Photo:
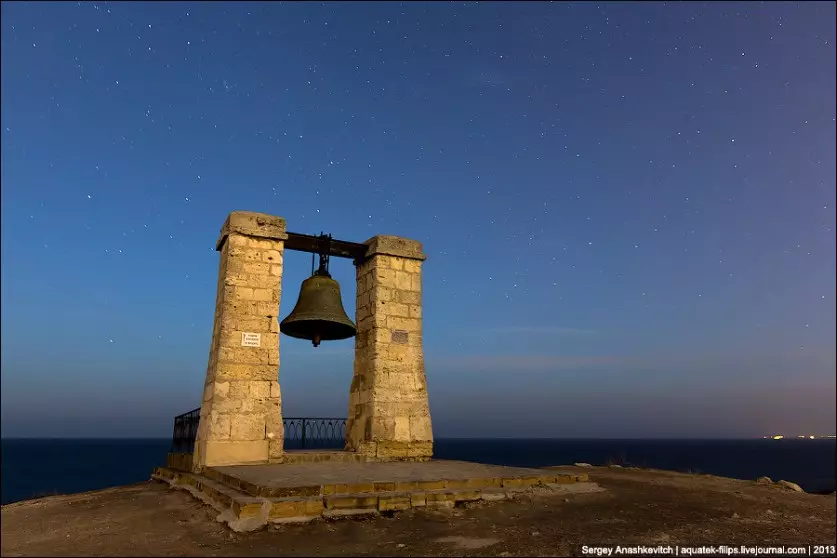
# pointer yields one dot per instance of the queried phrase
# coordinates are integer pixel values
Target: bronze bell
(319, 314)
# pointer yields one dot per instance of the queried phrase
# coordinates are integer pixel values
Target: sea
(33, 468)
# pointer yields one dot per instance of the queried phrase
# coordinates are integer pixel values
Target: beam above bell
(314, 245)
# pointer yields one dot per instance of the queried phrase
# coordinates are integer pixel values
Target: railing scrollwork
(300, 433)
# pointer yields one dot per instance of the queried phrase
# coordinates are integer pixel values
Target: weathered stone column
(389, 414)
(241, 412)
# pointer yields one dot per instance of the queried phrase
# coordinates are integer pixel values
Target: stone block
(245, 254)
(256, 324)
(406, 486)
(247, 427)
(412, 266)
(384, 486)
(397, 309)
(520, 482)
(380, 262)
(260, 389)
(420, 449)
(274, 427)
(217, 453)
(401, 431)
(408, 297)
(243, 355)
(467, 495)
(389, 450)
(235, 280)
(416, 282)
(353, 488)
(403, 281)
(275, 448)
(421, 428)
(246, 510)
(418, 499)
(405, 324)
(247, 267)
(271, 256)
(265, 244)
(264, 295)
(252, 224)
(474, 483)
(208, 391)
(222, 406)
(376, 319)
(512, 483)
(435, 498)
(242, 293)
(229, 371)
(394, 246)
(221, 389)
(346, 502)
(396, 353)
(361, 312)
(219, 426)
(262, 406)
(383, 428)
(239, 389)
(270, 309)
(301, 507)
(493, 495)
(561, 479)
(384, 277)
(394, 502)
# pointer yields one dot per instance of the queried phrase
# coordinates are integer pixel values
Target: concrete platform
(251, 496)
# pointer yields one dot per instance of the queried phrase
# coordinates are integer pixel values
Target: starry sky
(628, 208)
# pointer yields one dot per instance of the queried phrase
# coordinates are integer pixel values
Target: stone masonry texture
(241, 411)
(389, 414)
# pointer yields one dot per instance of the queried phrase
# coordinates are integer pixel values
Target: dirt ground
(637, 507)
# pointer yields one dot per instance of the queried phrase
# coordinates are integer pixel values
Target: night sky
(628, 209)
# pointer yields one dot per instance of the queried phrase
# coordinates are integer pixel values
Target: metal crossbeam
(315, 245)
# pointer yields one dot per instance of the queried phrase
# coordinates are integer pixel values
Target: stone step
(392, 486)
(321, 456)
(245, 512)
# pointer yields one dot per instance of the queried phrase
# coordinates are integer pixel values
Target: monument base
(251, 496)
(183, 461)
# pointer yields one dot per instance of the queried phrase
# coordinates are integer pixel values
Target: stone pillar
(241, 412)
(389, 414)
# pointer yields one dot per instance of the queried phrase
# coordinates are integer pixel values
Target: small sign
(251, 339)
(399, 336)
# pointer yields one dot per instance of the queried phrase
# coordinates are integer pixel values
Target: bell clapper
(316, 340)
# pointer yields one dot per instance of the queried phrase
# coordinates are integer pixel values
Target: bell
(319, 314)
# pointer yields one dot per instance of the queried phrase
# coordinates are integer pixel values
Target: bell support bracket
(315, 245)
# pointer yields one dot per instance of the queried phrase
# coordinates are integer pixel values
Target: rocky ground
(636, 507)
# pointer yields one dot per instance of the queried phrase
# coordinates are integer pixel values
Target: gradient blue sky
(628, 208)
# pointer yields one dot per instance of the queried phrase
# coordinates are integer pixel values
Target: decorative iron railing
(315, 433)
(300, 433)
(185, 430)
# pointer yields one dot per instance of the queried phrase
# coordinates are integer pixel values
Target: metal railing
(300, 433)
(314, 433)
(185, 430)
